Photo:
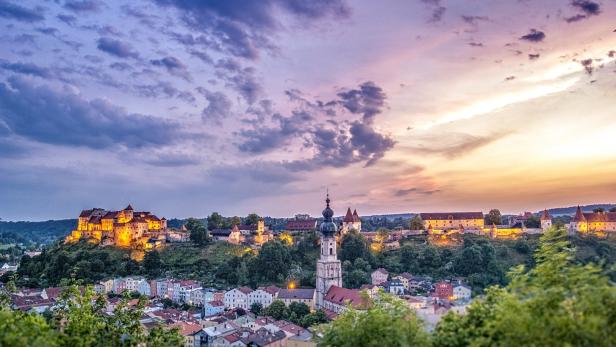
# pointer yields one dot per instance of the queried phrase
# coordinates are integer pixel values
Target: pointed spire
(579, 216)
(356, 216)
(129, 208)
(348, 218)
(546, 215)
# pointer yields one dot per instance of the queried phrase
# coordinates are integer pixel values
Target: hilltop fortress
(125, 228)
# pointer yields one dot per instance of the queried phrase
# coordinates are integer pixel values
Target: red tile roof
(348, 218)
(301, 225)
(344, 296)
(601, 217)
(579, 216)
(245, 290)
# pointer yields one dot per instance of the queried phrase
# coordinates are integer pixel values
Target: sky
(185, 107)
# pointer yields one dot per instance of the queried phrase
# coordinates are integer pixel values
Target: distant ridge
(560, 211)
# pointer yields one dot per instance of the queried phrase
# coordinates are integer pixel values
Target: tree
(252, 219)
(416, 223)
(598, 210)
(198, 232)
(299, 308)
(353, 246)
(235, 220)
(533, 222)
(24, 329)
(494, 217)
(256, 308)
(277, 310)
(314, 318)
(152, 263)
(214, 221)
(612, 209)
(559, 302)
(273, 262)
(161, 337)
(388, 322)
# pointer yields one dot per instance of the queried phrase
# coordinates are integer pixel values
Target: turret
(546, 220)
(578, 223)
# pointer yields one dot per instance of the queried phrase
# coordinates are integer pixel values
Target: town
(283, 316)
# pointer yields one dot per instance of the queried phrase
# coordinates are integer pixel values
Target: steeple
(328, 227)
(129, 208)
(579, 216)
(348, 218)
(545, 215)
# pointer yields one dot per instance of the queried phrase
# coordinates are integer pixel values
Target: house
(379, 276)
(220, 234)
(191, 331)
(420, 283)
(416, 302)
(213, 332)
(237, 297)
(443, 290)
(212, 308)
(452, 220)
(264, 338)
(305, 295)
(263, 296)
(301, 225)
(404, 278)
(337, 299)
(462, 292)
(395, 287)
(371, 289)
(303, 339)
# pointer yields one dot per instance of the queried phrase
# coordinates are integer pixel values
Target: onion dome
(328, 227)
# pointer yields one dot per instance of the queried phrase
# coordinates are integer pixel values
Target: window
(331, 251)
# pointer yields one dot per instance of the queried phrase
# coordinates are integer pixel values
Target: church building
(329, 270)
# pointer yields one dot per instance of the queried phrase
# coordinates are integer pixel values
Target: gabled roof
(297, 293)
(220, 232)
(343, 296)
(600, 217)
(301, 225)
(356, 216)
(245, 290)
(129, 208)
(451, 215)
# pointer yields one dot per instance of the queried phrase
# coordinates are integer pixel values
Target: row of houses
(405, 283)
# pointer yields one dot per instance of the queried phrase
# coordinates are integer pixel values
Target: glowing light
(291, 285)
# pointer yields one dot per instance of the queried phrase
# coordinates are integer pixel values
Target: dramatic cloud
(438, 10)
(588, 65)
(83, 5)
(534, 36)
(415, 191)
(587, 7)
(368, 100)
(173, 65)
(454, 145)
(117, 48)
(20, 13)
(243, 28)
(242, 80)
(25, 69)
(473, 20)
(218, 107)
(48, 116)
(333, 144)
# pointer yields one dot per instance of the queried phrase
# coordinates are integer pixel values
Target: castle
(125, 228)
(584, 222)
(350, 222)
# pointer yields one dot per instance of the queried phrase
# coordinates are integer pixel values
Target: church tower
(546, 220)
(329, 271)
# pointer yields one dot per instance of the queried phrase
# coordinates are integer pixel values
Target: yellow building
(125, 228)
(593, 222)
(452, 220)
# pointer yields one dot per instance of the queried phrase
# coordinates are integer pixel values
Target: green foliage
(389, 322)
(559, 302)
(533, 222)
(252, 219)
(198, 232)
(256, 308)
(416, 223)
(214, 221)
(353, 246)
(24, 329)
(314, 318)
(152, 264)
(79, 320)
(277, 310)
(35, 232)
(272, 263)
(493, 217)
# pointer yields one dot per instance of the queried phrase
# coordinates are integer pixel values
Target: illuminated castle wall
(125, 228)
